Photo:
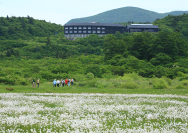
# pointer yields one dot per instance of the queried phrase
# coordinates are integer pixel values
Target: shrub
(9, 89)
(180, 74)
(160, 84)
(179, 87)
(150, 83)
(92, 83)
(184, 83)
(81, 84)
(168, 80)
(90, 75)
(129, 85)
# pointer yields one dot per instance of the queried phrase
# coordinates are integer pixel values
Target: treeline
(13, 28)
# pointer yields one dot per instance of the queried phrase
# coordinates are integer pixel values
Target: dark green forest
(32, 48)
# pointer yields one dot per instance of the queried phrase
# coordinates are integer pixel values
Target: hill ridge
(125, 14)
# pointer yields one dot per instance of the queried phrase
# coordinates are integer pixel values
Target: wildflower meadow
(55, 112)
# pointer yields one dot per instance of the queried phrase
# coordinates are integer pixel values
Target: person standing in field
(66, 82)
(54, 83)
(58, 82)
(38, 81)
(72, 81)
(34, 83)
(69, 82)
(63, 82)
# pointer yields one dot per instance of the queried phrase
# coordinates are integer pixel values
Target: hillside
(26, 27)
(125, 14)
(174, 23)
(25, 54)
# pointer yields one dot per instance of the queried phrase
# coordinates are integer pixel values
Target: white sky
(61, 11)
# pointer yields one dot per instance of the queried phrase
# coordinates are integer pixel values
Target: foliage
(93, 60)
(129, 85)
(160, 84)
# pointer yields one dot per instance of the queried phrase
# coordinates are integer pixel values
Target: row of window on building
(141, 30)
(84, 31)
(79, 35)
(80, 27)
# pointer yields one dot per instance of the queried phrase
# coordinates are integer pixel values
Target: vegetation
(125, 14)
(99, 62)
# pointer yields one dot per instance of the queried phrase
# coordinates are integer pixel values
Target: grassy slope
(125, 14)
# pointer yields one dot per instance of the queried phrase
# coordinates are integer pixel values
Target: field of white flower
(48, 112)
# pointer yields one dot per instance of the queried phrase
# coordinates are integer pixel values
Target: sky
(61, 11)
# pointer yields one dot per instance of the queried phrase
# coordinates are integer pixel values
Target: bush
(92, 83)
(179, 87)
(81, 84)
(7, 81)
(184, 83)
(160, 84)
(90, 75)
(129, 85)
(102, 84)
(9, 89)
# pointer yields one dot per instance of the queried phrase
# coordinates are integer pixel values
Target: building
(141, 28)
(74, 30)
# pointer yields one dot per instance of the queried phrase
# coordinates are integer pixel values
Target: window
(70, 31)
(103, 31)
(89, 31)
(66, 28)
(79, 31)
(135, 30)
(75, 35)
(84, 31)
(98, 31)
(71, 35)
(70, 27)
(84, 28)
(89, 27)
(103, 28)
(94, 31)
(75, 31)
(75, 27)
(93, 27)
(66, 31)
(98, 28)
(66, 35)
(79, 27)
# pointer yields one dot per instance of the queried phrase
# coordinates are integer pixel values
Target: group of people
(62, 82)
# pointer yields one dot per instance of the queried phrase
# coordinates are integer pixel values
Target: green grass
(47, 87)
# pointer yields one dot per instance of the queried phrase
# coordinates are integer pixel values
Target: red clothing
(66, 81)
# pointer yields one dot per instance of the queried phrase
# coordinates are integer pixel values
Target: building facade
(142, 28)
(74, 30)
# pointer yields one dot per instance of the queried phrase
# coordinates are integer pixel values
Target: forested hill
(26, 27)
(174, 23)
(125, 14)
(30, 48)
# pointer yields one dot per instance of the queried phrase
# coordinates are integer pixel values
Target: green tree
(113, 46)
(172, 44)
(141, 45)
(8, 53)
(8, 17)
(48, 42)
